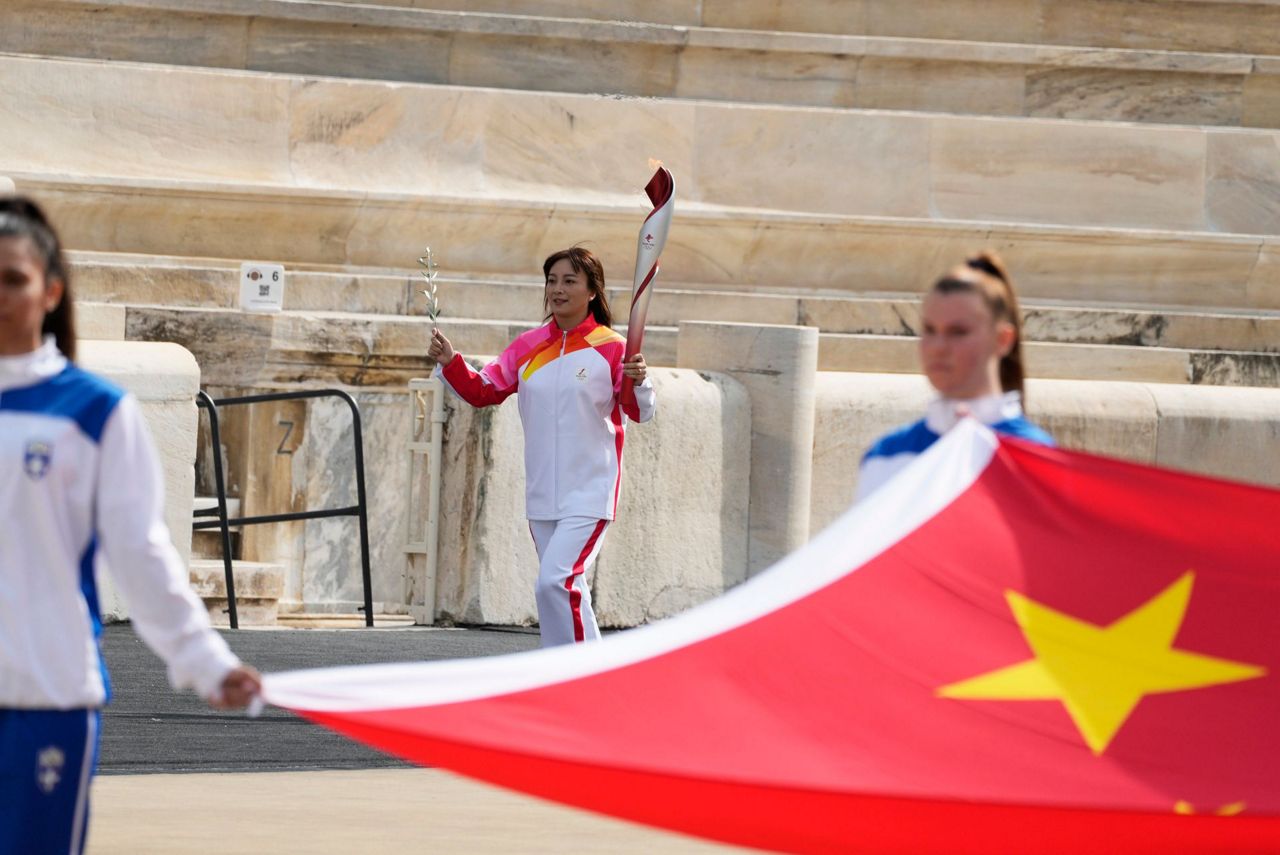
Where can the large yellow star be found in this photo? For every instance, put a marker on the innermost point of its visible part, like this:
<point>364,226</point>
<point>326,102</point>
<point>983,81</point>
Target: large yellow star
<point>1100,673</point>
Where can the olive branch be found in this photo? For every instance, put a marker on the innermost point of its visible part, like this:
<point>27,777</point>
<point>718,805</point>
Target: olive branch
<point>429,274</point>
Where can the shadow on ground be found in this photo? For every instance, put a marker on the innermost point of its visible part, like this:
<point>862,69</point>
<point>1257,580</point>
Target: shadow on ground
<point>148,727</point>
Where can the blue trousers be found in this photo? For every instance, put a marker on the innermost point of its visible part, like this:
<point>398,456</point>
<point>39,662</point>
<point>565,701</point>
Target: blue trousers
<point>47,759</point>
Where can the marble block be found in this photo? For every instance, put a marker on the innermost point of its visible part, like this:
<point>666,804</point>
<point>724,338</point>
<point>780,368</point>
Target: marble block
<point>681,534</point>
<point>164,378</point>
<point>1243,192</point>
<point>1215,431</point>
<point>394,150</point>
<point>1063,172</point>
<point>776,364</point>
<point>1136,96</point>
<point>932,85</point>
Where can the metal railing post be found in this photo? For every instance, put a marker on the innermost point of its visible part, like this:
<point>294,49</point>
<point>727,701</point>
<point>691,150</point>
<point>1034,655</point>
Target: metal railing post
<point>358,510</point>
<point>363,515</point>
<point>205,402</point>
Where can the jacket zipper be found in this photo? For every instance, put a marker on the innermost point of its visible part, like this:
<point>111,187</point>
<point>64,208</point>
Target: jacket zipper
<point>555,442</point>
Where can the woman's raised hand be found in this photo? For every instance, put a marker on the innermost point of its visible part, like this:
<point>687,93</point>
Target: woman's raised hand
<point>441,350</point>
<point>635,368</point>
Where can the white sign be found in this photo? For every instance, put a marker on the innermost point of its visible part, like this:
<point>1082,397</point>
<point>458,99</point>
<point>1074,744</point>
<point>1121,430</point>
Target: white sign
<point>261,287</point>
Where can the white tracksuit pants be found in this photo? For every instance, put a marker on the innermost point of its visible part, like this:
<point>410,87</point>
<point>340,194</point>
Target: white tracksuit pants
<point>567,550</point>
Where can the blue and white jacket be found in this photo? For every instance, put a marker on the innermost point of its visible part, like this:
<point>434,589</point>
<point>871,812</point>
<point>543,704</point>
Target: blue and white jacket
<point>80,488</point>
<point>893,451</point>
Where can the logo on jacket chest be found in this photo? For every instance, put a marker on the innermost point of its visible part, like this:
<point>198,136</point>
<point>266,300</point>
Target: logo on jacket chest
<point>37,459</point>
<point>581,376</point>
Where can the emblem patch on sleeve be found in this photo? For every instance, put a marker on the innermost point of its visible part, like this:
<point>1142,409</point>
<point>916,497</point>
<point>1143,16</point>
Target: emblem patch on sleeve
<point>37,459</point>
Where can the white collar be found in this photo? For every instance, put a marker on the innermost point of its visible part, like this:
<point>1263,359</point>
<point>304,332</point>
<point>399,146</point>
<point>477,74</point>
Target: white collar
<point>942,414</point>
<point>27,369</point>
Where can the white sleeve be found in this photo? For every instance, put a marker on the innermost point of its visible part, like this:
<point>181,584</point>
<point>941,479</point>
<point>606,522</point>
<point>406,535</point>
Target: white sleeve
<point>646,399</point>
<point>140,556</point>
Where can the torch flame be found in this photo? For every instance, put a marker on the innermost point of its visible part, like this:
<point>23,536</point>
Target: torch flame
<point>655,164</point>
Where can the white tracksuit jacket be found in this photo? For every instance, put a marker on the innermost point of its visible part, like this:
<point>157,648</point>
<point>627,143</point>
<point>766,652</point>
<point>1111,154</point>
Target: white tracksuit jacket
<point>80,488</point>
<point>568,385</point>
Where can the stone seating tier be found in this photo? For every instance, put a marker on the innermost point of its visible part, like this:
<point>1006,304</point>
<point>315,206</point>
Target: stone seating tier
<point>381,351</point>
<point>1216,25</point>
<point>379,42</point>
<point>319,142</point>
<point>731,249</point>
<point>111,281</point>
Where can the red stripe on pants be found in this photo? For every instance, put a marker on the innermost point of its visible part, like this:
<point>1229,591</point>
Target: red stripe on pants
<point>579,566</point>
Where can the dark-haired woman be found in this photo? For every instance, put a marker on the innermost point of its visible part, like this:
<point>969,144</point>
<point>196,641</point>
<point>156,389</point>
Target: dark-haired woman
<point>80,486</point>
<point>971,351</point>
<point>567,376</point>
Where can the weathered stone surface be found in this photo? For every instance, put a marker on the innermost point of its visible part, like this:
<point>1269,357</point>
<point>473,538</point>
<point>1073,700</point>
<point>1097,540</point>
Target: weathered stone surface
<point>362,139</point>
<point>1230,433</point>
<point>876,68</point>
<point>776,364</point>
<point>259,587</point>
<point>1243,185</point>
<point>1150,96</point>
<point>104,283</point>
<point>164,378</point>
<point>718,248</point>
<point>681,536</point>
<point>100,321</point>
<point>1216,431</point>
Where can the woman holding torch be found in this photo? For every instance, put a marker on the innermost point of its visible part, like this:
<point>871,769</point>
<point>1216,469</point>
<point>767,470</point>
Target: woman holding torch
<point>568,376</point>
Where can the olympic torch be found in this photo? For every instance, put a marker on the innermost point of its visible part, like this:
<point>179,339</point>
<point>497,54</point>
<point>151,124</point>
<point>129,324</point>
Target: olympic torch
<point>653,236</point>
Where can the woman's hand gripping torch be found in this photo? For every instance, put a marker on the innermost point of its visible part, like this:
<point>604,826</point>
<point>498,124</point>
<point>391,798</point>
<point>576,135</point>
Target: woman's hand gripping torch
<point>653,237</point>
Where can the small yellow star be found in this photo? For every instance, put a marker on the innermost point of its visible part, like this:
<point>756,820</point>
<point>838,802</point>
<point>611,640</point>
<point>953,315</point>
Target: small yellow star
<point>1100,673</point>
<point>1187,809</point>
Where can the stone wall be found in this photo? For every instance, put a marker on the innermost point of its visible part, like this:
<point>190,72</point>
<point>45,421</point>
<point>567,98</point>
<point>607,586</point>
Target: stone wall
<point>164,378</point>
<point>1212,430</point>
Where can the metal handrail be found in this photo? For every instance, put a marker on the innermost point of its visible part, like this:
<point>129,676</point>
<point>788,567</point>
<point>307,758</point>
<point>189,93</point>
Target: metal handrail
<point>358,510</point>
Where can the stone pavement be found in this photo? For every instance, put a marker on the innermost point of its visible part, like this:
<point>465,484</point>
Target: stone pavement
<point>367,811</point>
<point>281,785</point>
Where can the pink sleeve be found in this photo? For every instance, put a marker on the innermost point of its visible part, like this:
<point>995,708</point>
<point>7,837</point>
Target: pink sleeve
<point>492,385</point>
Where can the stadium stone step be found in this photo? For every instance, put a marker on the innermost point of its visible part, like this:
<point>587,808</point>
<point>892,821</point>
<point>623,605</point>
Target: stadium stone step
<point>309,139</point>
<point>259,587</point>
<point>288,348</point>
<point>105,283</point>
<point>1208,25</point>
<point>382,42</point>
<point>718,248</point>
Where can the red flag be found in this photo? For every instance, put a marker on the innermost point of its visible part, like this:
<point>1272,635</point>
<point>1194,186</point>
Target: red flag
<point>1007,648</point>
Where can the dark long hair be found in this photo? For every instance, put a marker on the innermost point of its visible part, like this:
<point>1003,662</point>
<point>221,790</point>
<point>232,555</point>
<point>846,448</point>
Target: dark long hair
<point>588,265</point>
<point>984,274</point>
<point>22,218</point>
